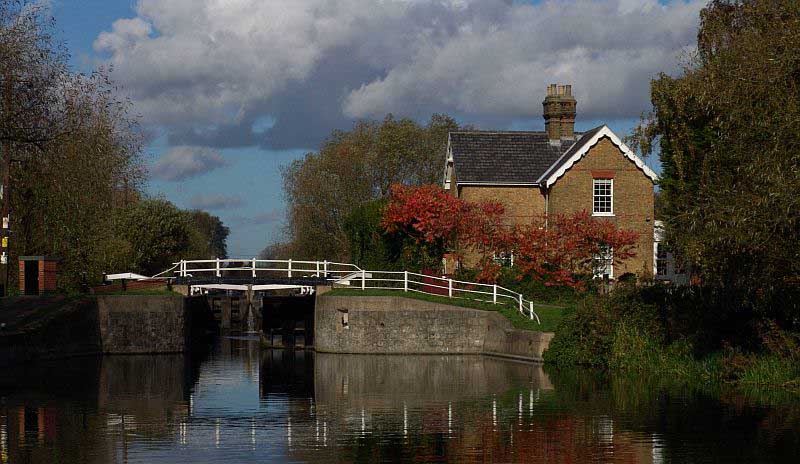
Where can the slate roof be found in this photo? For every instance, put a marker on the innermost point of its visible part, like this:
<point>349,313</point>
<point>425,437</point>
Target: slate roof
<point>507,157</point>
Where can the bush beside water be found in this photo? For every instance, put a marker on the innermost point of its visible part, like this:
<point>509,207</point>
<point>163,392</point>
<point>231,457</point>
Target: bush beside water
<point>680,334</point>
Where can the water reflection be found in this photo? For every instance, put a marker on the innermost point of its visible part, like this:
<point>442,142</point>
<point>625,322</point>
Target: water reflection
<point>241,404</point>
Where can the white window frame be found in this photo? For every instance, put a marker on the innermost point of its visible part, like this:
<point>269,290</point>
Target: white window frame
<point>607,264</point>
<point>610,183</point>
<point>504,258</point>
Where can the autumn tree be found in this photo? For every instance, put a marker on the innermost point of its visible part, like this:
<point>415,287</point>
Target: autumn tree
<point>558,250</point>
<point>430,217</point>
<point>353,168</point>
<point>568,249</point>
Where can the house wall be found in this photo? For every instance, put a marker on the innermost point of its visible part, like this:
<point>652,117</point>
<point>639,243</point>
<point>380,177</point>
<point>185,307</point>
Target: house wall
<point>633,199</point>
<point>522,203</point>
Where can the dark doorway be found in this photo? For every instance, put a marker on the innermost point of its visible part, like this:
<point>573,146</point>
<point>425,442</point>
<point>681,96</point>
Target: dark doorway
<point>31,277</point>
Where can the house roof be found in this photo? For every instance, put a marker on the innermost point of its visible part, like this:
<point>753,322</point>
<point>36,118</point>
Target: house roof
<point>582,147</point>
<point>527,158</point>
<point>503,157</point>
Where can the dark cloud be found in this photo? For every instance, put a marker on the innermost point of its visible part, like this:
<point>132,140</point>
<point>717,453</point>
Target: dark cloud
<point>207,71</point>
<point>184,162</point>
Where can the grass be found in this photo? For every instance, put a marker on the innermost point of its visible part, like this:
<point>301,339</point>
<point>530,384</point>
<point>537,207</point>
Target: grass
<point>550,315</point>
<point>161,291</point>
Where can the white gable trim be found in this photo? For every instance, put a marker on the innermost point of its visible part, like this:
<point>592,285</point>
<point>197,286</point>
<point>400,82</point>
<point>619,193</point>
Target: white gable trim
<point>448,166</point>
<point>552,177</point>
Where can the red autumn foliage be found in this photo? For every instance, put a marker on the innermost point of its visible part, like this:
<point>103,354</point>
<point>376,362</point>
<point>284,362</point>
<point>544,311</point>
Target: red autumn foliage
<point>426,213</point>
<point>557,250</point>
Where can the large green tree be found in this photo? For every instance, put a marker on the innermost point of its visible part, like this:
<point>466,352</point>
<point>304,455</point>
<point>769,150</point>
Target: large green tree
<point>355,167</point>
<point>728,130</point>
<point>207,236</point>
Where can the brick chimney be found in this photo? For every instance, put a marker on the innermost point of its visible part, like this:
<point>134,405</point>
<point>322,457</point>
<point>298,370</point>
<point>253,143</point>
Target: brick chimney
<point>559,113</point>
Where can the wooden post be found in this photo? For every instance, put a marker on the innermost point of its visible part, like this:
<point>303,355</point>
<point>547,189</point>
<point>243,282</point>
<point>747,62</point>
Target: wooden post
<point>494,294</point>
<point>217,261</point>
<point>363,280</point>
<point>520,303</point>
<point>531,308</point>
<point>290,268</point>
<point>254,268</point>
<point>317,268</point>
<point>405,281</point>
<point>325,267</point>
<point>450,288</point>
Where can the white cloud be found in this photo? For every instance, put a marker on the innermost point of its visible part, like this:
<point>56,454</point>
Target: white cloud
<point>183,162</point>
<point>214,201</point>
<point>212,67</point>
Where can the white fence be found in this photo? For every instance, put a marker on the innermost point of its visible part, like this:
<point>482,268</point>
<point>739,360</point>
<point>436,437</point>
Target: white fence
<point>255,268</point>
<point>350,275</point>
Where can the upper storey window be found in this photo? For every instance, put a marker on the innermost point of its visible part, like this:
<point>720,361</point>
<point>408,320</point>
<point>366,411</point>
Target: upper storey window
<point>603,197</point>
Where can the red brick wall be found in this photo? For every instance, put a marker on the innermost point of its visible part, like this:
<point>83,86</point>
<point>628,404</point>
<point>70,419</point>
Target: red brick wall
<point>47,276</point>
<point>21,276</point>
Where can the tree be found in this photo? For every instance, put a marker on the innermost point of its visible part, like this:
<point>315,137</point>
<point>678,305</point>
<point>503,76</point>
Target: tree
<point>429,216</point>
<point>568,249</point>
<point>558,250</point>
<point>727,130</point>
<point>157,232</point>
<point>207,236</point>
<point>33,82</point>
<point>353,168</point>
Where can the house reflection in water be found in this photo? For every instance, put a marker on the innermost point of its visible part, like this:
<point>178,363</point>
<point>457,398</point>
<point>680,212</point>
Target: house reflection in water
<point>244,404</point>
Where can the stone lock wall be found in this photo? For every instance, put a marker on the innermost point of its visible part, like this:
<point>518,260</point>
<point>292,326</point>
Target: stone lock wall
<point>633,199</point>
<point>133,324</point>
<point>397,325</point>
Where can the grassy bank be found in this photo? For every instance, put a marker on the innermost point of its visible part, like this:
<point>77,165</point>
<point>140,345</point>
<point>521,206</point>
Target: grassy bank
<point>660,333</point>
<point>550,315</point>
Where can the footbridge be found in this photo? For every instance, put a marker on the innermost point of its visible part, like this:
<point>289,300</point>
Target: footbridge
<point>252,275</point>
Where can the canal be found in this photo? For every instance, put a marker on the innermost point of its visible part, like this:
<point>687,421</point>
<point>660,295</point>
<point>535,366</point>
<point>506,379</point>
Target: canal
<point>236,403</point>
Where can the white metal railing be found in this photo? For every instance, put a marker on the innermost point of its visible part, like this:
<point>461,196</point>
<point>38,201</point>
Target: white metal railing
<point>406,281</point>
<point>350,275</point>
<point>262,267</point>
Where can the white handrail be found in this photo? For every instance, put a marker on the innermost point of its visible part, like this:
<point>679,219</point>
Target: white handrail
<point>347,274</point>
<point>449,288</point>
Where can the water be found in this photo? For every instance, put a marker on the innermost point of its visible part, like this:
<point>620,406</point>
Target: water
<point>238,404</point>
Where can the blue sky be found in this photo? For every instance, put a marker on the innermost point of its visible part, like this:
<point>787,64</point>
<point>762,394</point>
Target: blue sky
<point>232,91</point>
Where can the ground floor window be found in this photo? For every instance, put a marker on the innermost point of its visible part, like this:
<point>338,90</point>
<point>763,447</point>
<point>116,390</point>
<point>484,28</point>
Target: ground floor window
<point>504,258</point>
<point>603,263</point>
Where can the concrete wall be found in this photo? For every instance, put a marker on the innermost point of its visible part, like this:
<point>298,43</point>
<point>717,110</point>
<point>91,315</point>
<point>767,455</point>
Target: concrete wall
<point>633,199</point>
<point>132,324</point>
<point>68,329</point>
<point>397,325</point>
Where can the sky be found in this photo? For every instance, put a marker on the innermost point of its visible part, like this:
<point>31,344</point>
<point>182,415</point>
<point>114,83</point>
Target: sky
<point>229,91</point>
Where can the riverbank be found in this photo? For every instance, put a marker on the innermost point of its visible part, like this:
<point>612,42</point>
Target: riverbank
<point>662,333</point>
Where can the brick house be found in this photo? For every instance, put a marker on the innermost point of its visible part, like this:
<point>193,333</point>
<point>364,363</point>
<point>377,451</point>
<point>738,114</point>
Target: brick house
<point>558,170</point>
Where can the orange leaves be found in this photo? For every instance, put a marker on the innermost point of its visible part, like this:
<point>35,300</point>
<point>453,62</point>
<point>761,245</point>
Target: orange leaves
<point>427,213</point>
<point>561,249</point>
<point>557,250</point>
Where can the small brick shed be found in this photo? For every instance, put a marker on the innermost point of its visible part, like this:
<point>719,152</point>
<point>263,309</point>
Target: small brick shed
<point>37,274</point>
